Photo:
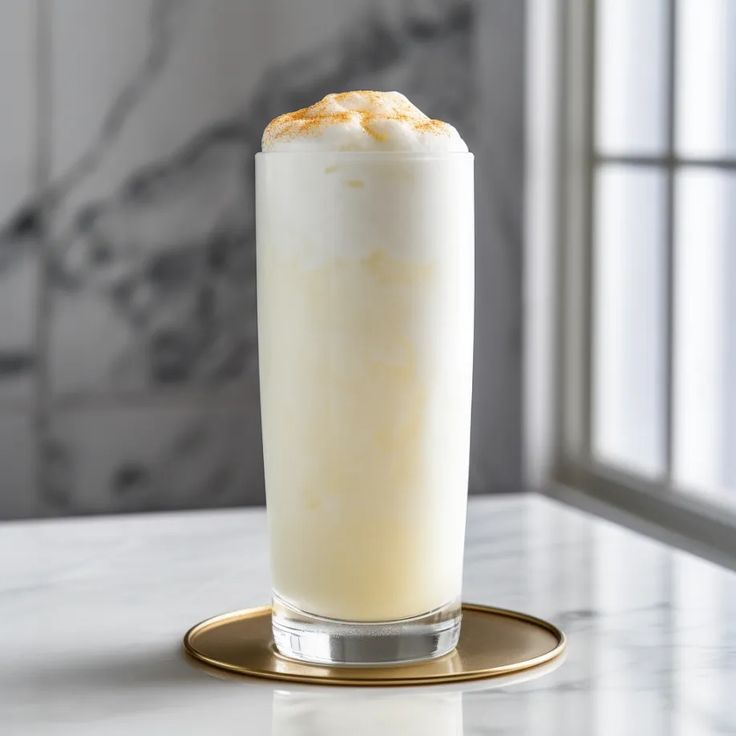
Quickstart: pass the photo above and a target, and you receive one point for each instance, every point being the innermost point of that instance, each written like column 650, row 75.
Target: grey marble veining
column 135, row 216
column 93, row 611
column 17, row 454
column 18, row 253
column 186, row 455
column 167, row 258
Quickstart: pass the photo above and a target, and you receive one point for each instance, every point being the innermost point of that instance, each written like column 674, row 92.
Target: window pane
column 705, row 332
column 629, row 325
column 706, row 78
column 631, row 78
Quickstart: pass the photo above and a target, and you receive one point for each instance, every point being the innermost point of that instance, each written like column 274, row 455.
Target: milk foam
column 361, row 121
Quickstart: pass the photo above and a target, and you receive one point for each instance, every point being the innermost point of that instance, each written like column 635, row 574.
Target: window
column 647, row 322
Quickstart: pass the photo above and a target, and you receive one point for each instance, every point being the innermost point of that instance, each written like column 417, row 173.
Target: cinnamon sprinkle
column 367, row 107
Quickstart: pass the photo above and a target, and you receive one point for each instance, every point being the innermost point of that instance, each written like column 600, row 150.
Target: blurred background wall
column 128, row 356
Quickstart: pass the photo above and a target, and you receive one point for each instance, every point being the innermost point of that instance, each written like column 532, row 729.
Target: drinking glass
column 365, row 325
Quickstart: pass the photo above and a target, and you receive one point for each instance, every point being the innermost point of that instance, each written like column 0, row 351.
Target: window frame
column 692, row 521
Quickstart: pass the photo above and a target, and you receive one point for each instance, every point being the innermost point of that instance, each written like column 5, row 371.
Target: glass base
column 318, row 640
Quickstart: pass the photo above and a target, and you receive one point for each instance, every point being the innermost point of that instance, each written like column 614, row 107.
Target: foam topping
column 360, row 121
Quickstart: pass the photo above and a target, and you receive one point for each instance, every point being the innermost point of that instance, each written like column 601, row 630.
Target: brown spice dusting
column 431, row 126
column 331, row 110
column 365, row 123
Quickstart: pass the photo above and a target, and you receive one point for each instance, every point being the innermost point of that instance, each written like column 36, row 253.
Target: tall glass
column 365, row 324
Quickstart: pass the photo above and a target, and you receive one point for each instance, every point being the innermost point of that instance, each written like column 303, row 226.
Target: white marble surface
column 93, row 611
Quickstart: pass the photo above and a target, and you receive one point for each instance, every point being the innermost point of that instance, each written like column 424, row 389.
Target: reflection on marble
column 299, row 710
column 93, row 612
column 390, row 714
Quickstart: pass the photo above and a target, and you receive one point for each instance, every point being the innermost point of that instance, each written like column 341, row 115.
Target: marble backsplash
column 128, row 356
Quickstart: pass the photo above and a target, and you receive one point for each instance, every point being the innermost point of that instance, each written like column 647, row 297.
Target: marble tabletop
column 93, row 610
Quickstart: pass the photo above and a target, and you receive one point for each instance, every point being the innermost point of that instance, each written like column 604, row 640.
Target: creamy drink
column 365, row 318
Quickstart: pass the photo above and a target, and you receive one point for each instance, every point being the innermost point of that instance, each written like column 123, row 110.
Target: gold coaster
column 493, row 642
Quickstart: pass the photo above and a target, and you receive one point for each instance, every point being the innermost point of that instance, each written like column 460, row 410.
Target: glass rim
column 383, row 154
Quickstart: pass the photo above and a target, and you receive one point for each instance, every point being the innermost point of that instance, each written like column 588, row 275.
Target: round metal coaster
column 493, row 642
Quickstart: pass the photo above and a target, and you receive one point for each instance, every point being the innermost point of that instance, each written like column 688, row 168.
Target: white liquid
column 365, row 311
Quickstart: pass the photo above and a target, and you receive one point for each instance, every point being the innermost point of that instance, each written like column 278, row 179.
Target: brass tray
column 493, row 641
